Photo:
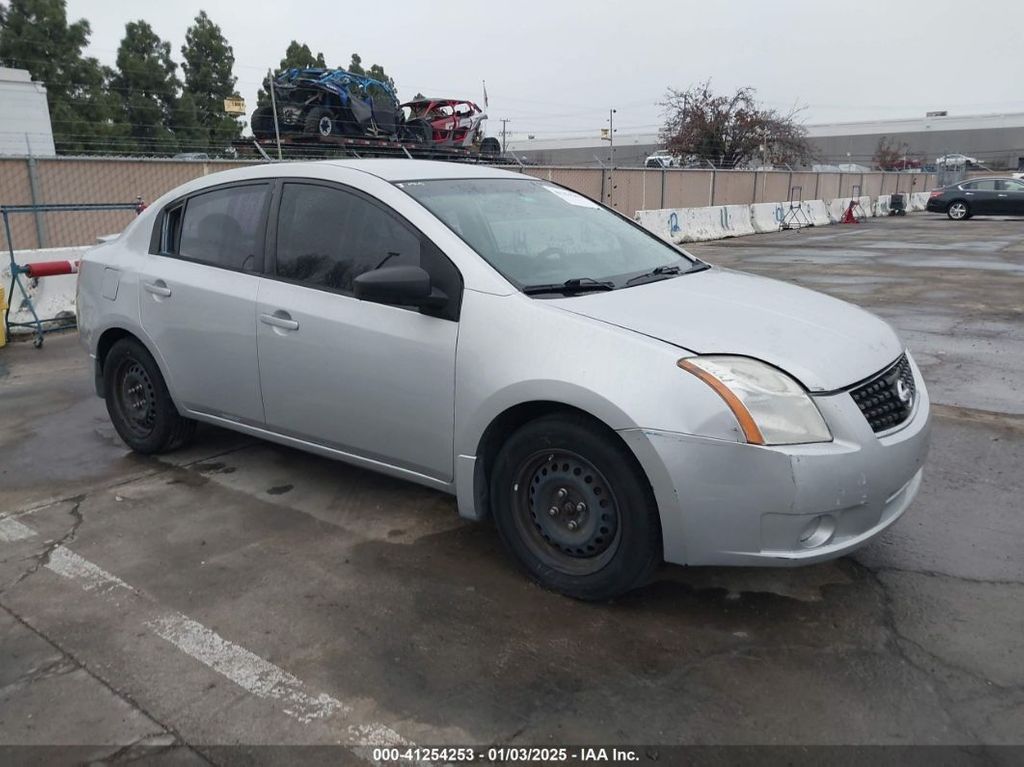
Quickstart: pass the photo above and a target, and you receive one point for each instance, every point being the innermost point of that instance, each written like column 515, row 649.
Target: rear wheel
column 573, row 506
column 138, row 402
column 958, row 210
column 262, row 123
column 490, row 147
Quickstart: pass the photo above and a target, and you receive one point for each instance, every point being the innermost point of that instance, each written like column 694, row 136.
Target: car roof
column 421, row 170
column 984, row 178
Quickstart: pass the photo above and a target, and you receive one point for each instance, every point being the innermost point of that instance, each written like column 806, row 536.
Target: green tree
column 376, row 71
column 295, row 57
column 35, row 35
column 189, row 132
column 209, row 79
column 146, row 80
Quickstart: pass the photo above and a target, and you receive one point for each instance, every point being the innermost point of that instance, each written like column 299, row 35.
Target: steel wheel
column 135, row 397
column 325, row 126
column 566, row 511
column 957, row 210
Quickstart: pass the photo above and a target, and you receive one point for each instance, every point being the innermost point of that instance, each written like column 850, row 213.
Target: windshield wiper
column 664, row 272
column 575, row 285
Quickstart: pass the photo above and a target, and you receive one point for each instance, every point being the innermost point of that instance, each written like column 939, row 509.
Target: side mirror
column 398, row 286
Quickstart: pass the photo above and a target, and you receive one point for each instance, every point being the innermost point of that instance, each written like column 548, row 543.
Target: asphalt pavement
column 238, row 593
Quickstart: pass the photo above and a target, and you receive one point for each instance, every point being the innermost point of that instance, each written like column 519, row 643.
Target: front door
column 1010, row 194
column 367, row 379
column 981, row 196
column 197, row 297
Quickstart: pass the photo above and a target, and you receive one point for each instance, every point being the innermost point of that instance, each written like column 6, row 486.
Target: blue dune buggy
column 328, row 103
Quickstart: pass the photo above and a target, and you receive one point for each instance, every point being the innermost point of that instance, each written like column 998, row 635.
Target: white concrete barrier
column 738, row 220
column 838, row 206
column 698, row 224
column 817, row 211
column 768, row 216
column 51, row 296
column 714, row 223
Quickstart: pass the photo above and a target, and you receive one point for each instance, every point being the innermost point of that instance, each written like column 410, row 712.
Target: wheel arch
column 502, row 426
column 954, row 201
column 106, row 340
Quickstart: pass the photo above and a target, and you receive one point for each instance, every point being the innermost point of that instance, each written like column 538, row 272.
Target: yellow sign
column 234, row 105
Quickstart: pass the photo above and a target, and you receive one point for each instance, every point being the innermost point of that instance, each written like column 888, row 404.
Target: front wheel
column 573, row 506
column 138, row 402
column 958, row 210
column 321, row 122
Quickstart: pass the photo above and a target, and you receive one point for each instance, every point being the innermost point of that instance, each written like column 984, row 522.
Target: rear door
column 370, row 380
column 198, row 298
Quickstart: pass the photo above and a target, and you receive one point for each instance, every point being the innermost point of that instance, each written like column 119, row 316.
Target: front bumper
column 729, row 503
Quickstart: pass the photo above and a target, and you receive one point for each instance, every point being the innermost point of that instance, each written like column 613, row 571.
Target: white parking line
column 247, row 670
column 250, row 672
column 13, row 530
column 90, row 577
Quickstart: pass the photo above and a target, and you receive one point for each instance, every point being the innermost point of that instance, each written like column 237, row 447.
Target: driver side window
column 326, row 237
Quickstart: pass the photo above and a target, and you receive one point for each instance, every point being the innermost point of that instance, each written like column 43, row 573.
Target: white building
column 24, row 116
column 994, row 140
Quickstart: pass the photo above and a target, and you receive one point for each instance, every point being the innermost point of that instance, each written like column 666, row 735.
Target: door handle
column 158, row 288
column 1002, row 195
column 279, row 319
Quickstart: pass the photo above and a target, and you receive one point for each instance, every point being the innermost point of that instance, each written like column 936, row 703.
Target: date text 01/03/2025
column 419, row 754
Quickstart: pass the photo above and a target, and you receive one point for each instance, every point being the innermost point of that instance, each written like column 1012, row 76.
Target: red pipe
column 51, row 268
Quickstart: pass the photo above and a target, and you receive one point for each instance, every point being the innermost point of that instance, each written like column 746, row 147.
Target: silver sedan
column 609, row 400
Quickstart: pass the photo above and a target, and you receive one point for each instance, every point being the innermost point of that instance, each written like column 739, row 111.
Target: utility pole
column 611, row 137
column 611, row 157
column 504, row 122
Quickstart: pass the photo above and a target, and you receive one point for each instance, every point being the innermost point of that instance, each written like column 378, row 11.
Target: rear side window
column 223, row 227
column 986, row 185
column 327, row 237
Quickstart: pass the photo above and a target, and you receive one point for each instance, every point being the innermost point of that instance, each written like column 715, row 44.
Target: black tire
column 262, row 123
column 321, row 122
column 138, row 402
column 557, row 463
column 958, row 210
column 490, row 147
column 419, row 131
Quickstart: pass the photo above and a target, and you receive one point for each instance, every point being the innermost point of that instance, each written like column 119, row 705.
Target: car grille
column 880, row 398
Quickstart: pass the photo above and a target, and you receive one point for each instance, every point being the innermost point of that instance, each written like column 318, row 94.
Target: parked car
column 979, row 196
column 955, row 160
column 662, row 159
column 608, row 399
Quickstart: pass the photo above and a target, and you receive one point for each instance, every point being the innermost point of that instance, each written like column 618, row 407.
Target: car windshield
column 540, row 235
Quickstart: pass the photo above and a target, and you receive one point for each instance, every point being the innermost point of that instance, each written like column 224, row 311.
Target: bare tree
column 731, row 131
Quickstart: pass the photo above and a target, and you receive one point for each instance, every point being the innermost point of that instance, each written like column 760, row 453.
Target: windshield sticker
column 571, row 197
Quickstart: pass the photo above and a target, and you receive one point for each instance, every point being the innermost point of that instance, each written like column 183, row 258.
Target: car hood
column 823, row 342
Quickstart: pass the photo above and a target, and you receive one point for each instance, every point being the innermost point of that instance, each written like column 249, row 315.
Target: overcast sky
column 554, row 68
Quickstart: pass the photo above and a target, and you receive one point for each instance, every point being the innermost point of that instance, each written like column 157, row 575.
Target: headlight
column 772, row 408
